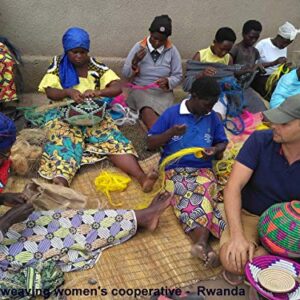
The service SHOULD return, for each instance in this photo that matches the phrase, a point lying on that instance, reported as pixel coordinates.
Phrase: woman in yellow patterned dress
(77, 76)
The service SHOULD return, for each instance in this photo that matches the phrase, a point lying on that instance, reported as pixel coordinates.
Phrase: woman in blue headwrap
(78, 76)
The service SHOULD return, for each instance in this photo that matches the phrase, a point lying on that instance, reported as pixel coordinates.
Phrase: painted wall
(36, 26)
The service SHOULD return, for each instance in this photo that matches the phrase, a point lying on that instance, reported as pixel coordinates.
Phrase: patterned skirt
(74, 239)
(7, 85)
(70, 146)
(197, 194)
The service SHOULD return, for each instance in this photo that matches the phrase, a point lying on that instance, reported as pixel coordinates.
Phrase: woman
(78, 76)
(192, 123)
(273, 52)
(8, 56)
(153, 60)
(74, 239)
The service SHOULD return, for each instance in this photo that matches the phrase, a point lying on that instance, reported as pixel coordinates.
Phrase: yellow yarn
(262, 126)
(282, 69)
(108, 182)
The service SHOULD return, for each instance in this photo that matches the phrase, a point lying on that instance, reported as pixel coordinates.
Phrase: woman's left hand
(163, 83)
(90, 94)
(13, 199)
(209, 152)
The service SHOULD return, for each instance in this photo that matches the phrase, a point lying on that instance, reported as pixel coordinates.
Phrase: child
(244, 53)
(218, 52)
(193, 124)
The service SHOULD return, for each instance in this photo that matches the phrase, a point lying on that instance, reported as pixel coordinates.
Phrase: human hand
(75, 95)
(280, 60)
(13, 199)
(238, 251)
(163, 83)
(178, 130)
(89, 94)
(15, 215)
(138, 56)
(209, 152)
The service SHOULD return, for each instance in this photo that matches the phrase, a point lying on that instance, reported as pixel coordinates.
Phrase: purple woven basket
(273, 262)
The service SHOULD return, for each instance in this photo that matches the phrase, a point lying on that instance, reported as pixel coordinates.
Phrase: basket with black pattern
(87, 113)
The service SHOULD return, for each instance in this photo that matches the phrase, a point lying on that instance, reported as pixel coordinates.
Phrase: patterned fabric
(70, 146)
(7, 85)
(4, 173)
(279, 229)
(196, 192)
(74, 239)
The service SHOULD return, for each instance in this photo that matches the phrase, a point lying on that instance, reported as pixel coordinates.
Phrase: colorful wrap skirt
(74, 239)
(7, 84)
(70, 146)
(197, 193)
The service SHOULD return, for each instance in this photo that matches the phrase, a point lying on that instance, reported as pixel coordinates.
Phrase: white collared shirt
(150, 47)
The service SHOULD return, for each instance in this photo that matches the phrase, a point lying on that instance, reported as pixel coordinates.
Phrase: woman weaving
(78, 76)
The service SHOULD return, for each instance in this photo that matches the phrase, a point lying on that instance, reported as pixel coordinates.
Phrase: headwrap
(73, 38)
(7, 132)
(162, 24)
(288, 31)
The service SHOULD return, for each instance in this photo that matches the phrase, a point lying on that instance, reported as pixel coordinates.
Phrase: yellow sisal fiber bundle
(197, 151)
(108, 182)
(274, 77)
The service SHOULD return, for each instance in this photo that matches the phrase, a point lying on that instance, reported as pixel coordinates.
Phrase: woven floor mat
(148, 260)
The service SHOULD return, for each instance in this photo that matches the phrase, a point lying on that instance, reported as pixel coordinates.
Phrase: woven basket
(270, 262)
(87, 113)
(279, 229)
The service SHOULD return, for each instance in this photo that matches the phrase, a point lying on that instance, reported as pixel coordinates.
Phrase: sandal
(239, 279)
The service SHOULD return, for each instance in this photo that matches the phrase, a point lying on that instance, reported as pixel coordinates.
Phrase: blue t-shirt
(273, 180)
(205, 131)
(288, 85)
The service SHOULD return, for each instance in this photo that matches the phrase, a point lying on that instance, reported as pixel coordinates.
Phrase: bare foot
(207, 254)
(213, 260)
(149, 181)
(200, 251)
(60, 181)
(148, 218)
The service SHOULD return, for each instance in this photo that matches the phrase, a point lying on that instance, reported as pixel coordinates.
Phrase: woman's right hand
(178, 130)
(75, 95)
(138, 56)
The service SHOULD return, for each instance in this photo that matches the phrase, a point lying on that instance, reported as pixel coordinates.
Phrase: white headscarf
(288, 31)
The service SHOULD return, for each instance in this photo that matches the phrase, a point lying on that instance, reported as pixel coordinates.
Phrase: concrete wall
(36, 26)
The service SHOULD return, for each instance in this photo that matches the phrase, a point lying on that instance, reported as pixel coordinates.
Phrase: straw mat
(148, 260)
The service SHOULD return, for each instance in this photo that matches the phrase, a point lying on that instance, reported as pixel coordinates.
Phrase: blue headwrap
(73, 38)
(8, 132)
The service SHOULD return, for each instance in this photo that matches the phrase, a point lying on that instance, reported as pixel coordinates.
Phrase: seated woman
(288, 85)
(218, 52)
(193, 124)
(78, 76)
(154, 59)
(74, 239)
(8, 60)
(273, 52)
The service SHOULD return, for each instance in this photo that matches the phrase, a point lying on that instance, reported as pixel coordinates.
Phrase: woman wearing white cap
(273, 52)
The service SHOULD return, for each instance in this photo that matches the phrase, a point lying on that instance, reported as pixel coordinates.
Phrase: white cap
(288, 31)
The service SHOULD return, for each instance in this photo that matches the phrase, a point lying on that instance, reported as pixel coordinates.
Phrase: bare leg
(129, 164)
(60, 181)
(148, 218)
(202, 249)
(148, 116)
